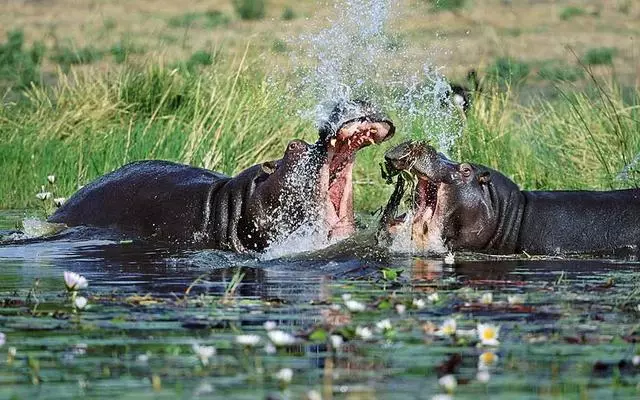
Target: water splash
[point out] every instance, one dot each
(631, 171)
(356, 57)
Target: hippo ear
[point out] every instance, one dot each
(484, 177)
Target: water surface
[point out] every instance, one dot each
(572, 337)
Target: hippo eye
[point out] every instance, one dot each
(466, 170)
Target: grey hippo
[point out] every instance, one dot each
(165, 201)
(464, 206)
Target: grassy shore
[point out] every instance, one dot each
(225, 117)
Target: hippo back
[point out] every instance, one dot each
(154, 198)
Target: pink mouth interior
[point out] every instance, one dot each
(426, 200)
(341, 153)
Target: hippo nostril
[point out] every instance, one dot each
(466, 169)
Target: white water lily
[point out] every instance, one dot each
(488, 334)
(269, 348)
(313, 395)
(204, 353)
(346, 297)
(12, 351)
(269, 325)
(80, 302)
(364, 332)
(3, 339)
(419, 303)
(280, 338)
(487, 360)
(248, 340)
(515, 299)
(442, 397)
(635, 360)
(433, 297)
(486, 298)
(74, 281)
(401, 308)
(336, 341)
(449, 382)
(51, 179)
(59, 201)
(285, 375)
(44, 195)
(483, 376)
(448, 327)
(450, 259)
(384, 325)
(355, 306)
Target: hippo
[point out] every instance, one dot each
(464, 206)
(169, 202)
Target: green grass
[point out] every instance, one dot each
(288, 14)
(559, 71)
(507, 70)
(599, 56)
(67, 55)
(19, 66)
(447, 5)
(225, 117)
(571, 11)
(250, 9)
(208, 20)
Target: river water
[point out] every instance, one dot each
(570, 333)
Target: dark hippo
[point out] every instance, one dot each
(165, 201)
(462, 206)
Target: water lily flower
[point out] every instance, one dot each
(442, 397)
(280, 338)
(43, 195)
(483, 376)
(59, 201)
(285, 375)
(433, 297)
(313, 395)
(364, 332)
(336, 341)
(74, 281)
(515, 299)
(269, 348)
(401, 308)
(204, 353)
(248, 340)
(487, 359)
(449, 382)
(448, 327)
(51, 179)
(486, 298)
(355, 306)
(80, 302)
(635, 360)
(346, 296)
(12, 351)
(384, 325)
(419, 303)
(3, 339)
(449, 259)
(488, 334)
(269, 325)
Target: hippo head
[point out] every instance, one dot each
(312, 183)
(350, 127)
(455, 205)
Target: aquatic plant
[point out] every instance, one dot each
(488, 334)
(74, 281)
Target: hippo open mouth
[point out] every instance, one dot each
(337, 175)
(433, 172)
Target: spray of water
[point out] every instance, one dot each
(356, 57)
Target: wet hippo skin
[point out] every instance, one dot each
(165, 201)
(463, 206)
